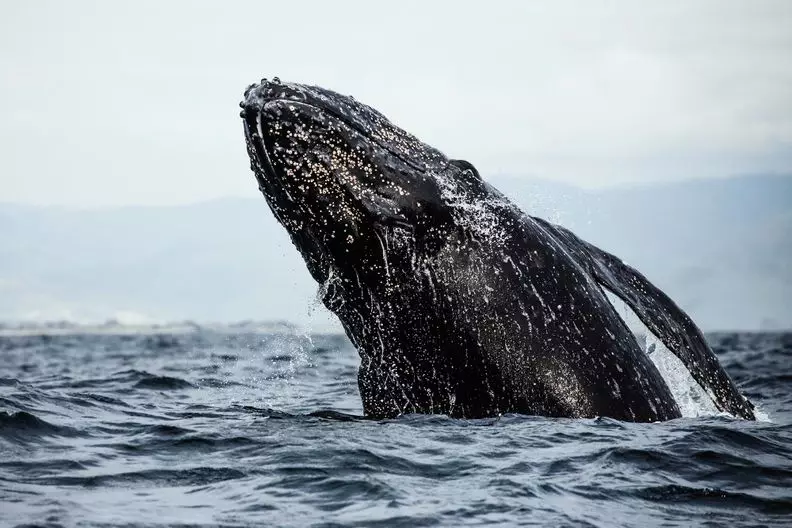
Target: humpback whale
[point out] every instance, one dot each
(457, 301)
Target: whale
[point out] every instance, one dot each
(457, 301)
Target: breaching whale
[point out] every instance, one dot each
(457, 301)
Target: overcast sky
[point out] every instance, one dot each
(107, 103)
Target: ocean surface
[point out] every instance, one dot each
(215, 428)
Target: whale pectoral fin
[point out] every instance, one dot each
(661, 316)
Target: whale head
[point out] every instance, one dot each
(340, 177)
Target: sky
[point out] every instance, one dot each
(120, 103)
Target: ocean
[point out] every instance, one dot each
(223, 427)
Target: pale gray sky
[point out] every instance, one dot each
(108, 103)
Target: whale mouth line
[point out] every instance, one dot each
(256, 141)
(268, 176)
(260, 149)
(266, 162)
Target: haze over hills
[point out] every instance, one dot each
(721, 248)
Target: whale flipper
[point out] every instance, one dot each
(661, 316)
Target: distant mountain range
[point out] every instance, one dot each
(721, 248)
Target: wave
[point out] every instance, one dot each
(163, 383)
(696, 496)
(150, 430)
(199, 476)
(24, 426)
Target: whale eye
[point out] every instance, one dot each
(465, 166)
(466, 175)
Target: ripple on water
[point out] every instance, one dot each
(262, 430)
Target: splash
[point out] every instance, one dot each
(478, 215)
(692, 399)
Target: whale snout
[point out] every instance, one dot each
(259, 94)
(254, 98)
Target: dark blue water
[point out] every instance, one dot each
(212, 428)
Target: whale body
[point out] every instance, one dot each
(457, 301)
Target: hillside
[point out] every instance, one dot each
(721, 248)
